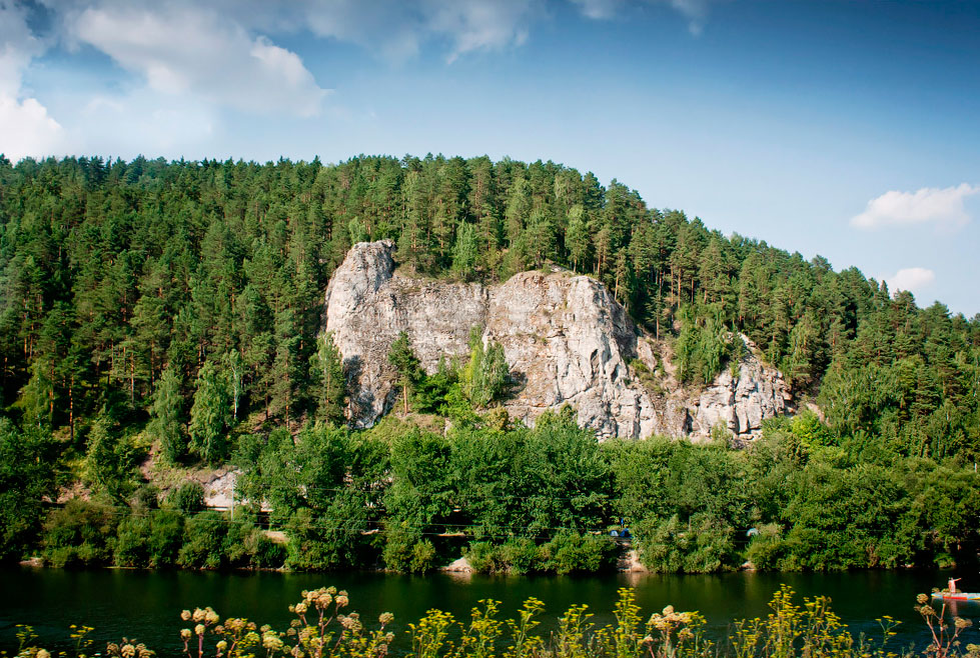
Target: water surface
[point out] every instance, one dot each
(146, 604)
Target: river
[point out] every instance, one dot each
(146, 604)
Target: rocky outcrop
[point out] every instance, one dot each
(741, 402)
(565, 338)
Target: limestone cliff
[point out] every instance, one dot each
(565, 339)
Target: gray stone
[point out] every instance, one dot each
(565, 338)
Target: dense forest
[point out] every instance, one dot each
(172, 309)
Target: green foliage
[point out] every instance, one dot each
(568, 552)
(111, 465)
(406, 550)
(407, 364)
(329, 388)
(166, 538)
(768, 549)
(204, 535)
(79, 534)
(487, 375)
(134, 278)
(703, 346)
(703, 544)
(173, 300)
(210, 416)
(246, 546)
(26, 473)
(188, 497)
(132, 545)
(166, 426)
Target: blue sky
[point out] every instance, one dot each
(845, 129)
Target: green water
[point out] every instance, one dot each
(146, 604)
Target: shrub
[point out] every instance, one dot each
(405, 550)
(188, 497)
(570, 551)
(79, 534)
(266, 553)
(166, 538)
(481, 556)
(238, 544)
(132, 545)
(146, 498)
(767, 550)
(326, 542)
(423, 556)
(702, 544)
(204, 535)
(518, 555)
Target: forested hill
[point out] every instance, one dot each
(127, 287)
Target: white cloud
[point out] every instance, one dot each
(27, 130)
(479, 25)
(182, 49)
(190, 60)
(599, 9)
(144, 121)
(913, 279)
(25, 127)
(696, 11)
(929, 205)
(396, 30)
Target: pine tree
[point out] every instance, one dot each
(465, 252)
(329, 385)
(487, 374)
(407, 364)
(210, 416)
(166, 426)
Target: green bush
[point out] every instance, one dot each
(767, 550)
(239, 544)
(204, 535)
(405, 550)
(246, 546)
(565, 553)
(26, 474)
(147, 497)
(132, 545)
(481, 557)
(518, 555)
(327, 542)
(702, 544)
(188, 497)
(166, 538)
(79, 534)
(569, 551)
(266, 553)
(423, 556)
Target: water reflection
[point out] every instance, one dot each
(146, 604)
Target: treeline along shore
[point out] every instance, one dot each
(158, 320)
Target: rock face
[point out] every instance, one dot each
(742, 402)
(564, 336)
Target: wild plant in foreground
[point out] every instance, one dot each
(320, 630)
(944, 641)
(812, 630)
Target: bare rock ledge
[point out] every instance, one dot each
(566, 339)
